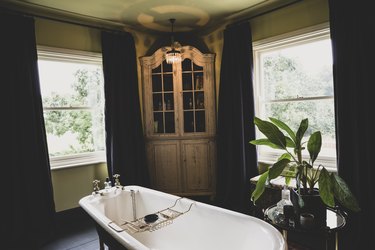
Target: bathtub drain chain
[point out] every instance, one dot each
(160, 219)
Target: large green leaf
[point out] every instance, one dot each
(284, 156)
(278, 168)
(290, 143)
(271, 132)
(265, 142)
(343, 194)
(284, 127)
(314, 145)
(259, 189)
(326, 188)
(301, 131)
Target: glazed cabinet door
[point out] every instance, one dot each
(197, 109)
(159, 98)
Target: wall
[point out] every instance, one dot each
(296, 16)
(71, 184)
(62, 35)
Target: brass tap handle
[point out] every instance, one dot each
(96, 185)
(117, 181)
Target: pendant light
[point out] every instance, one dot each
(174, 54)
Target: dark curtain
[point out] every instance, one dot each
(237, 161)
(353, 42)
(27, 204)
(124, 134)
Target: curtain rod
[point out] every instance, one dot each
(263, 13)
(63, 20)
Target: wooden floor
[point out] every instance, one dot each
(75, 230)
(83, 237)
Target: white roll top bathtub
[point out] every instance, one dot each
(141, 218)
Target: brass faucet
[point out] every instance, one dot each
(117, 181)
(96, 186)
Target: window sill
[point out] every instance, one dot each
(71, 161)
(279, 182)
(328, 162)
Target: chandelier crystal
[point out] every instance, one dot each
(174, 54)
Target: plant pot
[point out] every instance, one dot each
(309, 204)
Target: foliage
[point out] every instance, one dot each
(331, 186)
(79, 122)
(284, 79)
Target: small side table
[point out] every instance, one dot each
(335, 221)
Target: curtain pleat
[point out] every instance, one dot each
(353, 38)
(124, 134)
(237, 161)
(28, 208)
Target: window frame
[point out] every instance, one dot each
(313, 33)
(76, 56)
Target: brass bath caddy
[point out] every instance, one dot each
(151, 222)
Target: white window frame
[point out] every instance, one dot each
(313, 33)
(68, 55)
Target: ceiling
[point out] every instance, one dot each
(148, 15)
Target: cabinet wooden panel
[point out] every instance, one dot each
(197, 165)
(180, 121)
(164, 159)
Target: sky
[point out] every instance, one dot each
(58, 76)
(315, 55)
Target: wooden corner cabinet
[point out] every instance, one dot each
(180, 122)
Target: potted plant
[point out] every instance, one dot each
(332, 188)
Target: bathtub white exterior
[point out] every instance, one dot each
(204, 227)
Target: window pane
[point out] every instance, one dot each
(169, 101)
(169, 122)
(320, 114)
(72, 132)
(199, 100)
(186, 65)
(158, 123)
(157, 102)
(198, 79)
(167, 67)
(65, 84)
(73, 102)
(188, 100)
(168, 82)
(200, 121)
(188, 121)
(156, 83)
(298, 71)
(186, 81)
